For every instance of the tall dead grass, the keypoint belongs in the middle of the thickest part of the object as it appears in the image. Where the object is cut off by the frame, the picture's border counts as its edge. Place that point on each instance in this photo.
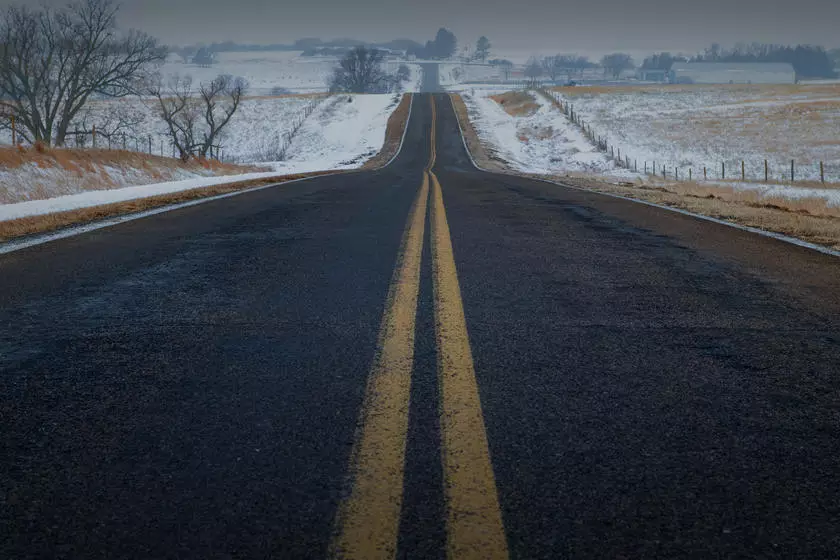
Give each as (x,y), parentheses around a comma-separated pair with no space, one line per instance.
(809,219)
(517,103)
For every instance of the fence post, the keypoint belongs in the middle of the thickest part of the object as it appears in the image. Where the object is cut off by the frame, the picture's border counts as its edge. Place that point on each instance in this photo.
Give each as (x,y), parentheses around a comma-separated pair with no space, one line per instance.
(766,171)
(636,165)
(14,131)
(704,173)
(723,170)
(150,144)
(822,173)
(645,167)
(792,179)
(743,172)
(689,174)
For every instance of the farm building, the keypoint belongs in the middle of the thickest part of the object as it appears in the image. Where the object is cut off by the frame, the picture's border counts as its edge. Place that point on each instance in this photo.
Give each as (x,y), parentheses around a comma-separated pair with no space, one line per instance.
(733,73)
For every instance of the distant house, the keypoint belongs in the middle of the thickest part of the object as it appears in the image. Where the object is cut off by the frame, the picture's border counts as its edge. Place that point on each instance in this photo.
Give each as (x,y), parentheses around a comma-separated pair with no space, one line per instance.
(652,74)
(733,73)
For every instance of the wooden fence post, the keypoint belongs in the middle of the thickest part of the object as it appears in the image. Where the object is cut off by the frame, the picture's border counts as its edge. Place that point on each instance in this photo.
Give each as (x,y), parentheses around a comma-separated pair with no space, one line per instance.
(723,170)
(792,179)
(766,171)
(689,174)
(704,173)
(743,172)
(822,173)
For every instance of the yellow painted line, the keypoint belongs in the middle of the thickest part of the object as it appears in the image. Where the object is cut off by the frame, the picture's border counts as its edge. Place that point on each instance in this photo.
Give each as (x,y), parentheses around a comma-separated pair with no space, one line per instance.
(433,136)
(367,524)
(474,527)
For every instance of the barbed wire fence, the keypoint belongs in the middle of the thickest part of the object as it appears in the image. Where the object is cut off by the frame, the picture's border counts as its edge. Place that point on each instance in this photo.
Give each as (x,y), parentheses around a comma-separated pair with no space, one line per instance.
(735,169)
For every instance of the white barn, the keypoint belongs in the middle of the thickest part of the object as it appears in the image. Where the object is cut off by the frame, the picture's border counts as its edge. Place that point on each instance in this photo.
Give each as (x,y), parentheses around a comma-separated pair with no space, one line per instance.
(733,73)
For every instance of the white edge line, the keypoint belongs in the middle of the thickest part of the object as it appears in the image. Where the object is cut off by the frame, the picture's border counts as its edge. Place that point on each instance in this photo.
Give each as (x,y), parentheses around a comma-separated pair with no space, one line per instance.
(12,246)
(405,131)
(461,130)
(764,233)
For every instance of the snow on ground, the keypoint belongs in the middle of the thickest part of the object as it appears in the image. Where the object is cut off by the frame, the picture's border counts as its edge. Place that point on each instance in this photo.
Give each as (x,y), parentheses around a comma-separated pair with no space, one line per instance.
(37,181)
(697,126)
(266,72)
(269,73)
(97,198)
(343,133)
(543,142)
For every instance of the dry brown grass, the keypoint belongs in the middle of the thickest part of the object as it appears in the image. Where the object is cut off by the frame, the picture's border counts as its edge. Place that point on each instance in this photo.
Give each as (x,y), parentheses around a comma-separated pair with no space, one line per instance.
(81,160)
(809,219)
(32,225)
(393,135)
(477,150)
(517,103)
(760,91)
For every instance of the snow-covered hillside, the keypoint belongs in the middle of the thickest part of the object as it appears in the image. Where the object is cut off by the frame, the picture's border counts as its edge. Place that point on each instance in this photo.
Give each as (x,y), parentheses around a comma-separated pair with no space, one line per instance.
(697,126)
(275,72)
(532,135)
(343,133)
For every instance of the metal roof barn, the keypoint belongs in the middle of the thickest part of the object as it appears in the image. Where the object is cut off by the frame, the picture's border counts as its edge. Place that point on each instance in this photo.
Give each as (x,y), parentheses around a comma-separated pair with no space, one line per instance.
(733,73)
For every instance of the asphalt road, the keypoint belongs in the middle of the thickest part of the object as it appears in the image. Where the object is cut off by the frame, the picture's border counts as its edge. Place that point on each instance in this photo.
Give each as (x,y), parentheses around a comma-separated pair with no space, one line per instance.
(416,361)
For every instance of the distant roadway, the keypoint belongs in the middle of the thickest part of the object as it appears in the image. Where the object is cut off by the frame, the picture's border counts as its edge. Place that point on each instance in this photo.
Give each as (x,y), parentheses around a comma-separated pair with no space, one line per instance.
(419,362)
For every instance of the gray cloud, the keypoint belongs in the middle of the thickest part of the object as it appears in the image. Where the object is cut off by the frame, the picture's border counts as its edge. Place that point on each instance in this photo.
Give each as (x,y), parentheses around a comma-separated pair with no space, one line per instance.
(523,25)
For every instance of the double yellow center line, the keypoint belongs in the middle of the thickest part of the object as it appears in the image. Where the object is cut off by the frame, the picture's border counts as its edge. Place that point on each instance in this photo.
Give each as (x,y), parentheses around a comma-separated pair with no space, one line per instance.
(368,519)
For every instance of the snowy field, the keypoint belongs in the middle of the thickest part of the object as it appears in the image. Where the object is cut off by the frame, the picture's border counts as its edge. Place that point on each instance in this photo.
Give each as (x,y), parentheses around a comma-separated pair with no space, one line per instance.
(275,72)
(696,126)
(538,138)
(342,133)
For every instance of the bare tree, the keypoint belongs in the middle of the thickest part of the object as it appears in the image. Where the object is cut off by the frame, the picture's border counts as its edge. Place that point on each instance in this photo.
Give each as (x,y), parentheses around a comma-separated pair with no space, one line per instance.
(195,120)
(533,71)
(55,61)
(552,67)
(616,63)
(360,71)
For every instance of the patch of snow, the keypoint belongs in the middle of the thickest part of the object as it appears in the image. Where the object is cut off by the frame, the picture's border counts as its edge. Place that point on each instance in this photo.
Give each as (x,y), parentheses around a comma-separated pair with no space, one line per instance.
(98,198)
(343,133)
(543,143)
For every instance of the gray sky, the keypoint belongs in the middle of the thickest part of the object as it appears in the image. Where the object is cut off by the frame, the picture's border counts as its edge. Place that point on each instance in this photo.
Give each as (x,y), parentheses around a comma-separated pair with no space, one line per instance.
(587,26)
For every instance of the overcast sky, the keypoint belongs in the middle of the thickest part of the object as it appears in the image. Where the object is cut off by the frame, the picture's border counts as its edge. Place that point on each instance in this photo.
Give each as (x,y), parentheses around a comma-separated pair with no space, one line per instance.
(587,26)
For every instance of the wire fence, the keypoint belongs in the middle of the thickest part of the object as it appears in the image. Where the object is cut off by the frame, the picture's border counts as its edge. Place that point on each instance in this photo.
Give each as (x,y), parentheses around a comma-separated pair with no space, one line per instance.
(766,170)
(161,144)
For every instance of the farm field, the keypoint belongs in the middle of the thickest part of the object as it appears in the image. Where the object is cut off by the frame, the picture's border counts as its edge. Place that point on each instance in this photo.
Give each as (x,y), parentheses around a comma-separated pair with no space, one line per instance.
(341,132)
(718,127)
